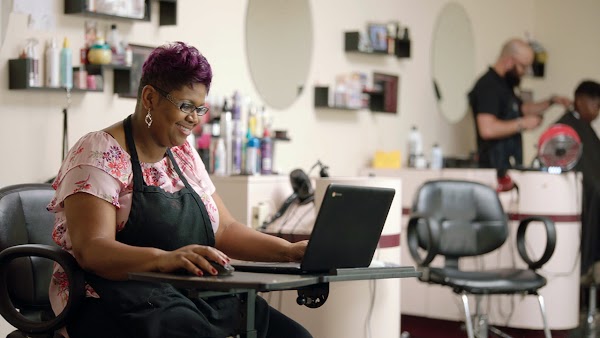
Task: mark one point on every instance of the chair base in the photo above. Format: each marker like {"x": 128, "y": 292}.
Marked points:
{"x": 477, "y": 325}
{"x": 482, "y": 329}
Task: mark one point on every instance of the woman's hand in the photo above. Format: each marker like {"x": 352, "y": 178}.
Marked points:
{"x": 193, "y": 258}
{"x": 296, "y": 250}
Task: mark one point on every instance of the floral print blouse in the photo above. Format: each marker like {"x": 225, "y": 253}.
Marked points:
{"x": 98, "y": 165}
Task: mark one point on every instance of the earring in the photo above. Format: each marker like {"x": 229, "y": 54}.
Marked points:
{"x": 148, "y": 119}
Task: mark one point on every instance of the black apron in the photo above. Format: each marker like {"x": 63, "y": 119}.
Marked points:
{"x": 167, "y": 221}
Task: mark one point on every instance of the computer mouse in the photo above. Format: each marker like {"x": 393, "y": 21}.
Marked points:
{"x": 223, "y": 270}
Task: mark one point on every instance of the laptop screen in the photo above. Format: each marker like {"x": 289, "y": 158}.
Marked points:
{"x": 348, "y": 227}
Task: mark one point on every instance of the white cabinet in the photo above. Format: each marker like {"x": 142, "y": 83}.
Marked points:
{"x": 241, "y": 193}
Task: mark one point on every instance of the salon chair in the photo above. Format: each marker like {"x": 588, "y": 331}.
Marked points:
{"x": 27, "y": 256}
{"x": 27, "y": 253}
{"x": 457, "y": 219}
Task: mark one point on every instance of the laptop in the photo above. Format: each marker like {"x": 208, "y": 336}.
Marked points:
{"x": 345, "y": 235}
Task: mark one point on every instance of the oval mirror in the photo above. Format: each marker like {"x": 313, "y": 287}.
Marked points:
{"x": 453, "y": 61}
{"x": 5, "y": 9}
{"x": 279, "y": 48}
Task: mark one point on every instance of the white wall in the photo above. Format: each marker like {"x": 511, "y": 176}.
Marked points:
{"x": 31, "y": 121}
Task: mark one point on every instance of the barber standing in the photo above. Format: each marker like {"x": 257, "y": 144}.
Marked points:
{"x": 500, "y": 114}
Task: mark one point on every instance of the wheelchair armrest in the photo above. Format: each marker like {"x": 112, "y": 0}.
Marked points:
{"x": 76, "y": 286}
{"x": 431, "y": 238}
{"x": 550, "y": 241}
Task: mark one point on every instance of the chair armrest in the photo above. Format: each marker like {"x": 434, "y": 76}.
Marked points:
{"x": 431, "y": 238}
{"x": 76, "y": 286}
{"x": 550, "y": 241}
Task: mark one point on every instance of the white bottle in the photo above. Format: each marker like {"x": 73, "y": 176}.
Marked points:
{"x": 415, "y": 146}
{"x": 115, "y": 42}
{"x": 53, "y": 65}
{"x": 437, "y": 158}
{"x": 220, "y": 158}
{"x": 226, "y": 135}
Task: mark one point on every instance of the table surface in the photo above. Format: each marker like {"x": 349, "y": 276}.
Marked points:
{"x": 263, "y": 282}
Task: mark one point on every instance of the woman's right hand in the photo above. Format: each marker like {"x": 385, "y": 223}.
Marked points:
{"x": 194, "y": 258}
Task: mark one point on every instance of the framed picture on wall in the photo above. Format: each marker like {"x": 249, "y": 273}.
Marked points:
{"x": 378, "y": 37}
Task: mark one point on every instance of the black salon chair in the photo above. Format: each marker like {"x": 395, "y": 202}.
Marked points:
{"x": 27, "y": 253}
{"x": 458, "y": 219}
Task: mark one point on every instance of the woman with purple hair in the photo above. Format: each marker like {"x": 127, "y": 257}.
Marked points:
{"x": 135, "y": 196}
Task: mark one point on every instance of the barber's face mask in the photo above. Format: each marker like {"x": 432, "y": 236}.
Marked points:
{"x": 512, "y": 77}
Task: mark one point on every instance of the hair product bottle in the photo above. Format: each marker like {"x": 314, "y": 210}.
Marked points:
{"x": 226, "y": 135}
{"x": 220, "y": 158}
{"x": 33, "y": 78}
{"x": 252, "y": 155}
{"x": 437, "y": 158}
{"x": 52, "y": 65}
{"x": 66, "y": 65}
{"x": 266, "y": 153}
{"x": 237, "y": 143}
{"x": 415, "y": 146}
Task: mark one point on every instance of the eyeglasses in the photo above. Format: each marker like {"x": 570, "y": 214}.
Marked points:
{"x": 185, "y": 107}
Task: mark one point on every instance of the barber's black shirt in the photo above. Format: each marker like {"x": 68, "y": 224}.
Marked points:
{"x": 493, "y": 95}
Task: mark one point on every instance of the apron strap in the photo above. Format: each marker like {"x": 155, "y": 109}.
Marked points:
{"x": 138, "y": 178}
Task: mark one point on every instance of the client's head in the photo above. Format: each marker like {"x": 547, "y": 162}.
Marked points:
{"x": 587, "y": 100}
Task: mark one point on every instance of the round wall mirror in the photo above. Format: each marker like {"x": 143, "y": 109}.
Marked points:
{"x": 279, "y": 48}
{"x": 453, "y": 61}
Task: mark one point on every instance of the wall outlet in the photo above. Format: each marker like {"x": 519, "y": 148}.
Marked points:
{"x": 260, "y": 212}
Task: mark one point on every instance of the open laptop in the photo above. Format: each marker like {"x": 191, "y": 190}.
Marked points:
{"x": 345, "y": 234}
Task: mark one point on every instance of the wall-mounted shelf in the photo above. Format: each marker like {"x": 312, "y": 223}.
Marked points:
{"x": 167, "y": 11}
{"x": 352, "y": 45}
{"x": 322, "y": 100}
{"x": 383, "y": 98}
{"x": 538, "y": 68}
{"x": 18, "y": 70}
{"x": 121, "y": 77}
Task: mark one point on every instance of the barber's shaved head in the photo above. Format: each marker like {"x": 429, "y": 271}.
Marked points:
{"x": 517, "y": 48}
{"x": 514, "y": 61}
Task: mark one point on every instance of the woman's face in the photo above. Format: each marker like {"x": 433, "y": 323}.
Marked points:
{"x": 173, "y": 126}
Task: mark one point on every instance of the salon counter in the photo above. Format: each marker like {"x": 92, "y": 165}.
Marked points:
{"x": 538, "y": 193}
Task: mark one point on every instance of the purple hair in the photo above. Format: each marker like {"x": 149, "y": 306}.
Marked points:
{"x": 174, "y": 65}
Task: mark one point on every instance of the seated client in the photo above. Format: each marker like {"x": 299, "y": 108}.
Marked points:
{"x": 580, "y": 118}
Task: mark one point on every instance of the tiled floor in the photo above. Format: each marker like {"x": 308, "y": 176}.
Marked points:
{"x": 419, "y": 327}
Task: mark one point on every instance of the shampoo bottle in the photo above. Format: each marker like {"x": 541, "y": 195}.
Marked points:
{"x": 66, "y": 65}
